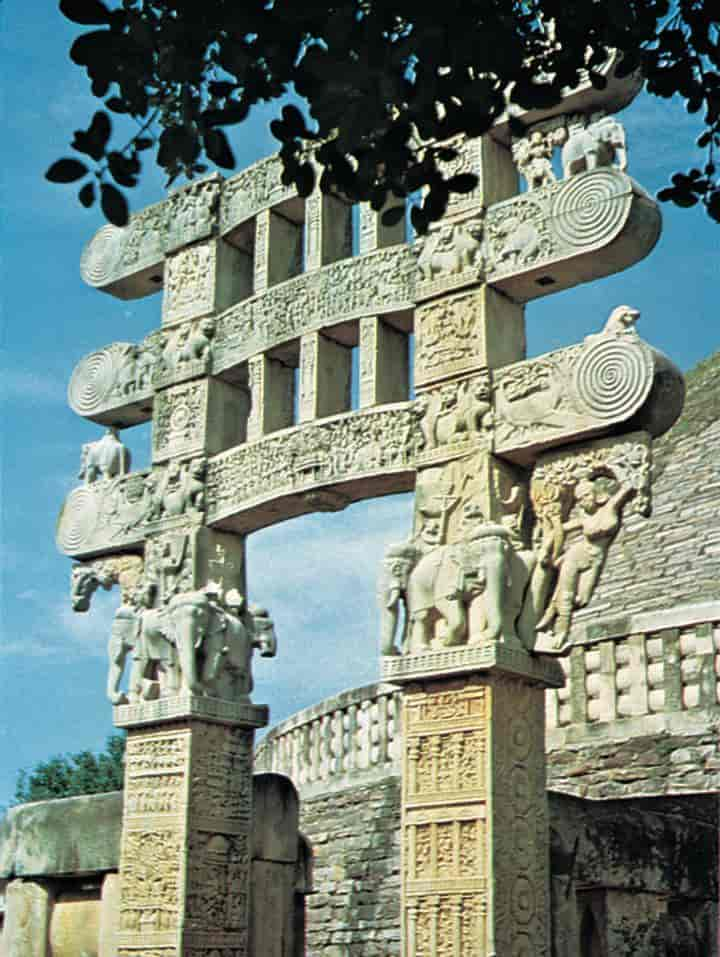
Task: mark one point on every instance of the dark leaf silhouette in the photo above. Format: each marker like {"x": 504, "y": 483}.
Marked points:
{"x": 218, "y": 149}
{"x": 66, "y": 171}
{"x": 377, "y": 84}
{"x": 114, "y": 205}
{"x": 394, "y": 215}
{"x": 87, "y": 195}
{"x": 86, "y": 12}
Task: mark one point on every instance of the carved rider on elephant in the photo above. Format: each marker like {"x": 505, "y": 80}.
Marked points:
{"x": 448, "y": 579}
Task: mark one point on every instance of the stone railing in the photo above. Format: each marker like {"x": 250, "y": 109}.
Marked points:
{"x": 658, "y": 669}
{"x": 345, "y": 741}
{"x": 661, "y": 678}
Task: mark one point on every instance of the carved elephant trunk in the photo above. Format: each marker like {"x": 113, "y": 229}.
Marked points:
{"x": 189, "y": 614}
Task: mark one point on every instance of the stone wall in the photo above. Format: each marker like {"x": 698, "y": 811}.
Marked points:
{"x": 354, "y": 910}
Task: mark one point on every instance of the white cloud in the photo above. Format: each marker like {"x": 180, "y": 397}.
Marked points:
{"x": 88, "y": 631}
{"x": 53, "y": 628}
{"x": 317, "y": 576}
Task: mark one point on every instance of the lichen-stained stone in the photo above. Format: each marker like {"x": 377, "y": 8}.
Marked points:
{"x": 27, "y": 915}
{"x": 66, "y": 836}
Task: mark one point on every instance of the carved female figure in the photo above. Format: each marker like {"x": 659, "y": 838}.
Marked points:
{"x": 581, "y": 564}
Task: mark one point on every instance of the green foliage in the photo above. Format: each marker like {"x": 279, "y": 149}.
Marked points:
{"x": 385, "y": 83}
{"x": 72, "y": 774}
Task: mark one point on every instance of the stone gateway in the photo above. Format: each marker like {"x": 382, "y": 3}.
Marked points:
{"x": 525, "y": 472}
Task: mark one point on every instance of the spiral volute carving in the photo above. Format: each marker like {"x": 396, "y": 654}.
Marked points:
{"x": 590, "y": 207}
{"x": 100, "y": 257}
{"x": 78, "y": 520}
{"x": 94, "y": 379}
{"x": 613, "y": 376}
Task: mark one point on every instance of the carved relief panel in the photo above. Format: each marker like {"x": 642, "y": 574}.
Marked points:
{"x": 445, "y": 826}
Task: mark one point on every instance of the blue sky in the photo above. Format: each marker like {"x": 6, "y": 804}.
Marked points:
{"x": 316, "y": 574}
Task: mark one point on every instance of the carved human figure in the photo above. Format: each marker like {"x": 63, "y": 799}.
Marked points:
{"x": 533, "y": 156}
{"x": 446, "y": 419}
{"x": 147, "y": 359}
{"x": 174, "y": 490}
{"x": 580, "y": 565}
{"x": 421, "y": 581}
{"x": 156, "y": 669}
{"x": 124, "y": 635}
{"x": 392, "y": 595}
{"x": 171, "y": 561}
{"x": 600, "y": 144}
{"x": 105, "y": 458}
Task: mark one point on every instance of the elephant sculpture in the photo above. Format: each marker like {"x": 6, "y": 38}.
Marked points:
{"x": 600, "y": 144}
{"x": 446, "y": 582}
{"x": 200, "y": 645}
{"x": 465, "y": 584}
{"x": 105, "y": 458}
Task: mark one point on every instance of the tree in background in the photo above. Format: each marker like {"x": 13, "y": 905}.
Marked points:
{"x": 385, "y": 84}
{"x": 72, "y": 774}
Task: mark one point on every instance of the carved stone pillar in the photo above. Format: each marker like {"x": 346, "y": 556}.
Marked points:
{"x": 203, "y": 416}
{"x": 278, "y": 249}
{"x": 27, "y": 918}
{"x": 474, "y": 811}
{"x": 186, "y": 841}
{"x": 373, "y": 234}
{"x": 328, "y": 230}
{"x": 204, "y": 278}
